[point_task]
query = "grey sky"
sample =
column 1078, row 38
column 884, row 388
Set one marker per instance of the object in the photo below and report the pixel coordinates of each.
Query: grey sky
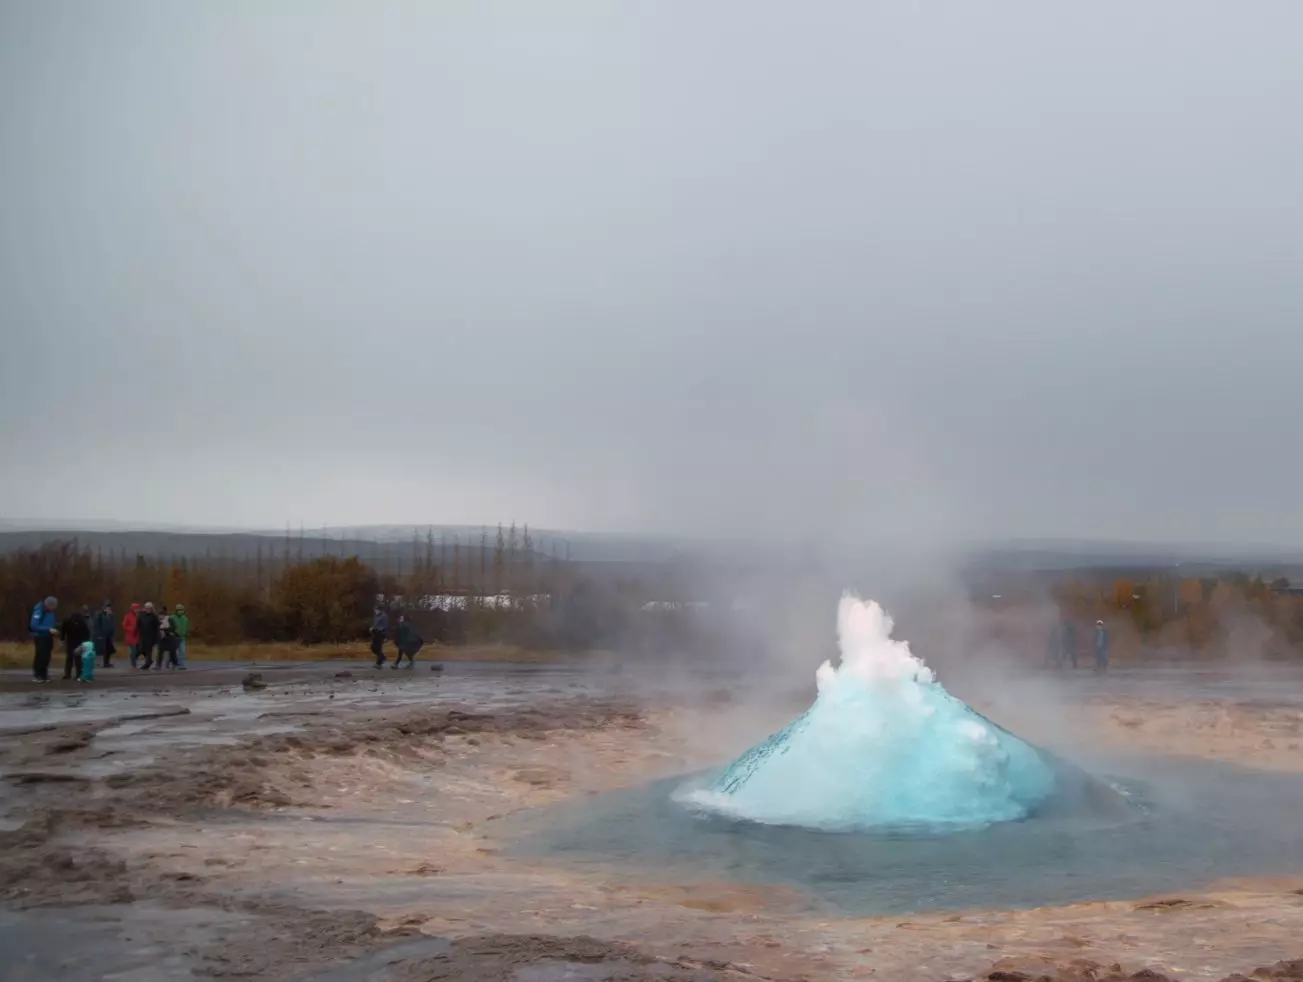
column 939, row 269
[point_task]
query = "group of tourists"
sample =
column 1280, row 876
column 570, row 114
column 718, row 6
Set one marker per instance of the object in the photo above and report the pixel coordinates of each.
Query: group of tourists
column 154, row 638
column 407, row 642
column 1063, row 645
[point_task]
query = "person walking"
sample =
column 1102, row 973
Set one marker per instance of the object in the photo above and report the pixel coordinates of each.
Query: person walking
column 76, row 632
column 1101, row 647
column 147, row 625
column 379, row 628
column 104, row 629
column 43, row 626
column 407, row 641
column 181, row 627
column 131, row 633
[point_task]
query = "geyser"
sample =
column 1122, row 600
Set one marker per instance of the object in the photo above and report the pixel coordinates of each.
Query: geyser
column 884, row 747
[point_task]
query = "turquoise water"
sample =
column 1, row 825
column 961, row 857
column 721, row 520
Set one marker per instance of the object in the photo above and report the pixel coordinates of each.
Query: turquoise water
column 889, row 795
column 1153, row 826
column 884, row 746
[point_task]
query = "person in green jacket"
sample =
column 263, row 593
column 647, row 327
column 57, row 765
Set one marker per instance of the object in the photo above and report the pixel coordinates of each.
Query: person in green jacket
column 181, row 627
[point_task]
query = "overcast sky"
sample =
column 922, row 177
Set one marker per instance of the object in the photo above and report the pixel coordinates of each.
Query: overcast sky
column 866, row 268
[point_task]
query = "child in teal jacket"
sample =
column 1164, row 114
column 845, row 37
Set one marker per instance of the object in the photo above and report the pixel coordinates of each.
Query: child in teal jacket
column 86, row 652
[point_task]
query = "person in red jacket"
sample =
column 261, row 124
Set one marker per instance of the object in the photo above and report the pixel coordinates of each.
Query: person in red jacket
column 131, row 633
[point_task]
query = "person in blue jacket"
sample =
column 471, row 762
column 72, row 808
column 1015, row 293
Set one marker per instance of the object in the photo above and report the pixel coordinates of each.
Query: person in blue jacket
column 1101, row 646
column 44, row 628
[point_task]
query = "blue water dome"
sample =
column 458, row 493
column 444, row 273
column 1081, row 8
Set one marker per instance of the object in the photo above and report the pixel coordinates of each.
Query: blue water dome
column 884, row 747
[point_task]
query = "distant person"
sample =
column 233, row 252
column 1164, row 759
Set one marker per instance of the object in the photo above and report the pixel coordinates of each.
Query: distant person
column 103, row 630
column 147, row 625
column 1069, row 643
column 76, row 632
column 166, row 639
column 379, row 628
column 43, row 626
column 407, row 641
column 86, row 661
column 1054, row 648
column 181, row 625
column 131, row 633
column 1101, row 647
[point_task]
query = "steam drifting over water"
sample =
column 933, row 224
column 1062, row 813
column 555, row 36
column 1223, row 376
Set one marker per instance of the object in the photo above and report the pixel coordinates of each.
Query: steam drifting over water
column 883, row 747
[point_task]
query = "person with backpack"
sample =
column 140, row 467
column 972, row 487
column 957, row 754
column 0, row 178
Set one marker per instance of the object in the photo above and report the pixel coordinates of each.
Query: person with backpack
column 43, row 626
column 181, row 627
column 131, row 633
column 103, row 629
column 166, row 639
column 147, row 625
column 407, row 641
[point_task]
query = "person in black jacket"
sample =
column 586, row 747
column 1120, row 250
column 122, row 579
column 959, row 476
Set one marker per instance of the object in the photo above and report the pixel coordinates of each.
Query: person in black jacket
column 103, row 631
column 167, row 639
column 407, row 641
column 379, row 627
column 147, row 624
column 76, row 632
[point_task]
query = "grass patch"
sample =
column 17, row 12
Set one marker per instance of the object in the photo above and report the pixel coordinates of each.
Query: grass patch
column 17, row 654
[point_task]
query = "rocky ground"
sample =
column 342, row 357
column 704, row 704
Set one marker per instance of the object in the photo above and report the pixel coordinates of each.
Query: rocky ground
column 347, row 824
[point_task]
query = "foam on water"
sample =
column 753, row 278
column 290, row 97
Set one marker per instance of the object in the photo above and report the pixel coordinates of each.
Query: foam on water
column 883, row 747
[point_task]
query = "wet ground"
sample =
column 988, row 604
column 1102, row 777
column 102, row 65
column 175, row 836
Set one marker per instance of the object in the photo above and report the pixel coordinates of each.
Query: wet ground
column 512, row 822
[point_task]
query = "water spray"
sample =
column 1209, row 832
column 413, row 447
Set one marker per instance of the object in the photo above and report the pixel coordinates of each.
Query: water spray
column 884, row 747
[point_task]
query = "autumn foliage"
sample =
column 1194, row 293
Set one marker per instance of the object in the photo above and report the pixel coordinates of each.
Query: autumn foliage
column 325, row 600
column 495, row 593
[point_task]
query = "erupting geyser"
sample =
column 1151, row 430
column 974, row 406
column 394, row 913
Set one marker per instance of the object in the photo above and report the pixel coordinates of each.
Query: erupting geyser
column 884, row 747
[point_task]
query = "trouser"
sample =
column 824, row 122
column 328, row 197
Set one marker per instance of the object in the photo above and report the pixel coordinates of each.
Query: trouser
column 44, row 645
column 378, row 647
column 87, row 673
column 147, row 654
column 167, row 648
column 1101, row 661
column 106, row 648
column 71, row 659
column 180, row 652
column 133, row 652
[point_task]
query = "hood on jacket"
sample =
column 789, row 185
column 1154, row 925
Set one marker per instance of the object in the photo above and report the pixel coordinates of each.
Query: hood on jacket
column 135, row 608
column 179, row 609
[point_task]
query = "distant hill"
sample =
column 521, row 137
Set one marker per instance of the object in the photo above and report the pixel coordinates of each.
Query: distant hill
column 1192, row 558
column 233, row 545
column 364, row 540
column 387, row 546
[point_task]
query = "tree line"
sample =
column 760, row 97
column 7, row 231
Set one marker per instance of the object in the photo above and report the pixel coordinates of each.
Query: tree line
column 499, row 588
column 1227, row 613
